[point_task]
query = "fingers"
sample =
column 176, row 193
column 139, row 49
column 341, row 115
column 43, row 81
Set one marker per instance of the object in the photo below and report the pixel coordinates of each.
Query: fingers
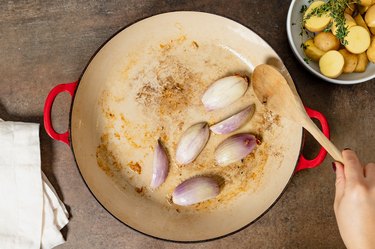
column 340, row 181
column 370, row 172
column 353, row 168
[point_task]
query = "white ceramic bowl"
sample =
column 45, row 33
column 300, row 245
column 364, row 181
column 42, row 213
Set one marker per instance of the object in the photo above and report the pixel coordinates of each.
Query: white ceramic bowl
column 293, row 31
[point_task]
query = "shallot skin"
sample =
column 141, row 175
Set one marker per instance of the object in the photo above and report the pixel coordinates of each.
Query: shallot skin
column 195, row 190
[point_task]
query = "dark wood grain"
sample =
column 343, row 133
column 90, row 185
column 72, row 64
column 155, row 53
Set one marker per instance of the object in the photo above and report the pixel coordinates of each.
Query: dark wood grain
column 43, row 43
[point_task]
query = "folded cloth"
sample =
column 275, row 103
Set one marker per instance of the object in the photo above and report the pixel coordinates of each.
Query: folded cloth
column 31, row 213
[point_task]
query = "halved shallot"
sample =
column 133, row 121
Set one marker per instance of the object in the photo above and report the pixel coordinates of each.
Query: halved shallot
column 192, row 143
column 160, row 166
column 195, row 190
column 234, row 122
column 224, row 92
column 235, row 148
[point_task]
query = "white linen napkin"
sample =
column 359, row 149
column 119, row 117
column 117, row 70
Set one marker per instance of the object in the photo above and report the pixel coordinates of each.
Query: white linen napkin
column 31, row 213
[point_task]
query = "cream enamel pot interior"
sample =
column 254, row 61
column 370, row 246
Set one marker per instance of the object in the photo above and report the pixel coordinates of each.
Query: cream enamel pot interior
column 145, row 83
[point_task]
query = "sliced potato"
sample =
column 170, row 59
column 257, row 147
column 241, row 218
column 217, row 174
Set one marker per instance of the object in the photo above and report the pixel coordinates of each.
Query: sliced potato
column 316, row 23
column 350, row 9
column 371, row 52
column 326, row 41
column 362, row 63
column 361, row 22
column 331, row 64
column 358, row 40
column 350, row 61
column 349, row 18
column 326, row 48
column 370, row 17
column 349, row 22
column 311, row 51
column 365, row 2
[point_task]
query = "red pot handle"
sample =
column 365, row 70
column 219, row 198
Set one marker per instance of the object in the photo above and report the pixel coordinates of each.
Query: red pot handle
column 304, row 163
column 68, row 87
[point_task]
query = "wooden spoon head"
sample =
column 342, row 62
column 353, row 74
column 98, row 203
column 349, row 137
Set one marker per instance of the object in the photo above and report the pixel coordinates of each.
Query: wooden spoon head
column 272, row 89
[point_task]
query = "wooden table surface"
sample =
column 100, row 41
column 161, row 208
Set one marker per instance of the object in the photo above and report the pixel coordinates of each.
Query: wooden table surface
column 44, row 43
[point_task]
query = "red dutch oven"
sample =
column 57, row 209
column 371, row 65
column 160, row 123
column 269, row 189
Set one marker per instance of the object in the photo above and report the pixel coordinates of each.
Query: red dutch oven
column 145, row 83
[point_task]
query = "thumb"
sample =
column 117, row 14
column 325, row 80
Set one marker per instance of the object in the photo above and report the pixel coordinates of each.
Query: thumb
column 340, row 182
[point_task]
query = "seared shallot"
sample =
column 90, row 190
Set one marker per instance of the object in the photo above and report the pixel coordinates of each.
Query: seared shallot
column 192, row 143
column 160, row 166
column 195, row 190
column 233, row 122
column 234, row 148
column 224, row 92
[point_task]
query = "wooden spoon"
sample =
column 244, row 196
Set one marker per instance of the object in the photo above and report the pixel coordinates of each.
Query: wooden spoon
column 273, row 90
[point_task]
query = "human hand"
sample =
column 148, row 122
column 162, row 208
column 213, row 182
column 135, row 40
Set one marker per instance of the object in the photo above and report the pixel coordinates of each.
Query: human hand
column 355, row 202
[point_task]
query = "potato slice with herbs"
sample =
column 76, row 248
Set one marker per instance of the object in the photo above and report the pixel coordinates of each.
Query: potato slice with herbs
column 358, row 40
column 350, row 45
column 350, row 61
column 362, row 63
column 311, row 51
column 331, row 64
column 349, row 22
column 315, row 23
column 326, row 41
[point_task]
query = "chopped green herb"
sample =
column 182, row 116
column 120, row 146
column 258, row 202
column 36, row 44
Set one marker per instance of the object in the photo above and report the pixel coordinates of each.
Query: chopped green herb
column 328, row 28
column 303, row 8
column 334, row 8
column 304, row 46
column 307, row 60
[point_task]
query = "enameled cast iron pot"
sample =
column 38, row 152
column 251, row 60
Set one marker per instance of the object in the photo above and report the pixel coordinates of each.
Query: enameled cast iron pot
column 145, row 83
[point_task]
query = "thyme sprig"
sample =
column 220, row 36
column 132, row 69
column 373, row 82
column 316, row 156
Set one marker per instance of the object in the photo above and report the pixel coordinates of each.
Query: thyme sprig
column 336, row 9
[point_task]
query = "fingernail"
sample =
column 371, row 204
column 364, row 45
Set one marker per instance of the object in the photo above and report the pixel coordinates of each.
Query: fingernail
column 347, row 149
column 334, row 166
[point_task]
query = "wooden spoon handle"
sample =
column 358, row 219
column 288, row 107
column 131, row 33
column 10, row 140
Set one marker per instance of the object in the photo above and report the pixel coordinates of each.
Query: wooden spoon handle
column 322, row 139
